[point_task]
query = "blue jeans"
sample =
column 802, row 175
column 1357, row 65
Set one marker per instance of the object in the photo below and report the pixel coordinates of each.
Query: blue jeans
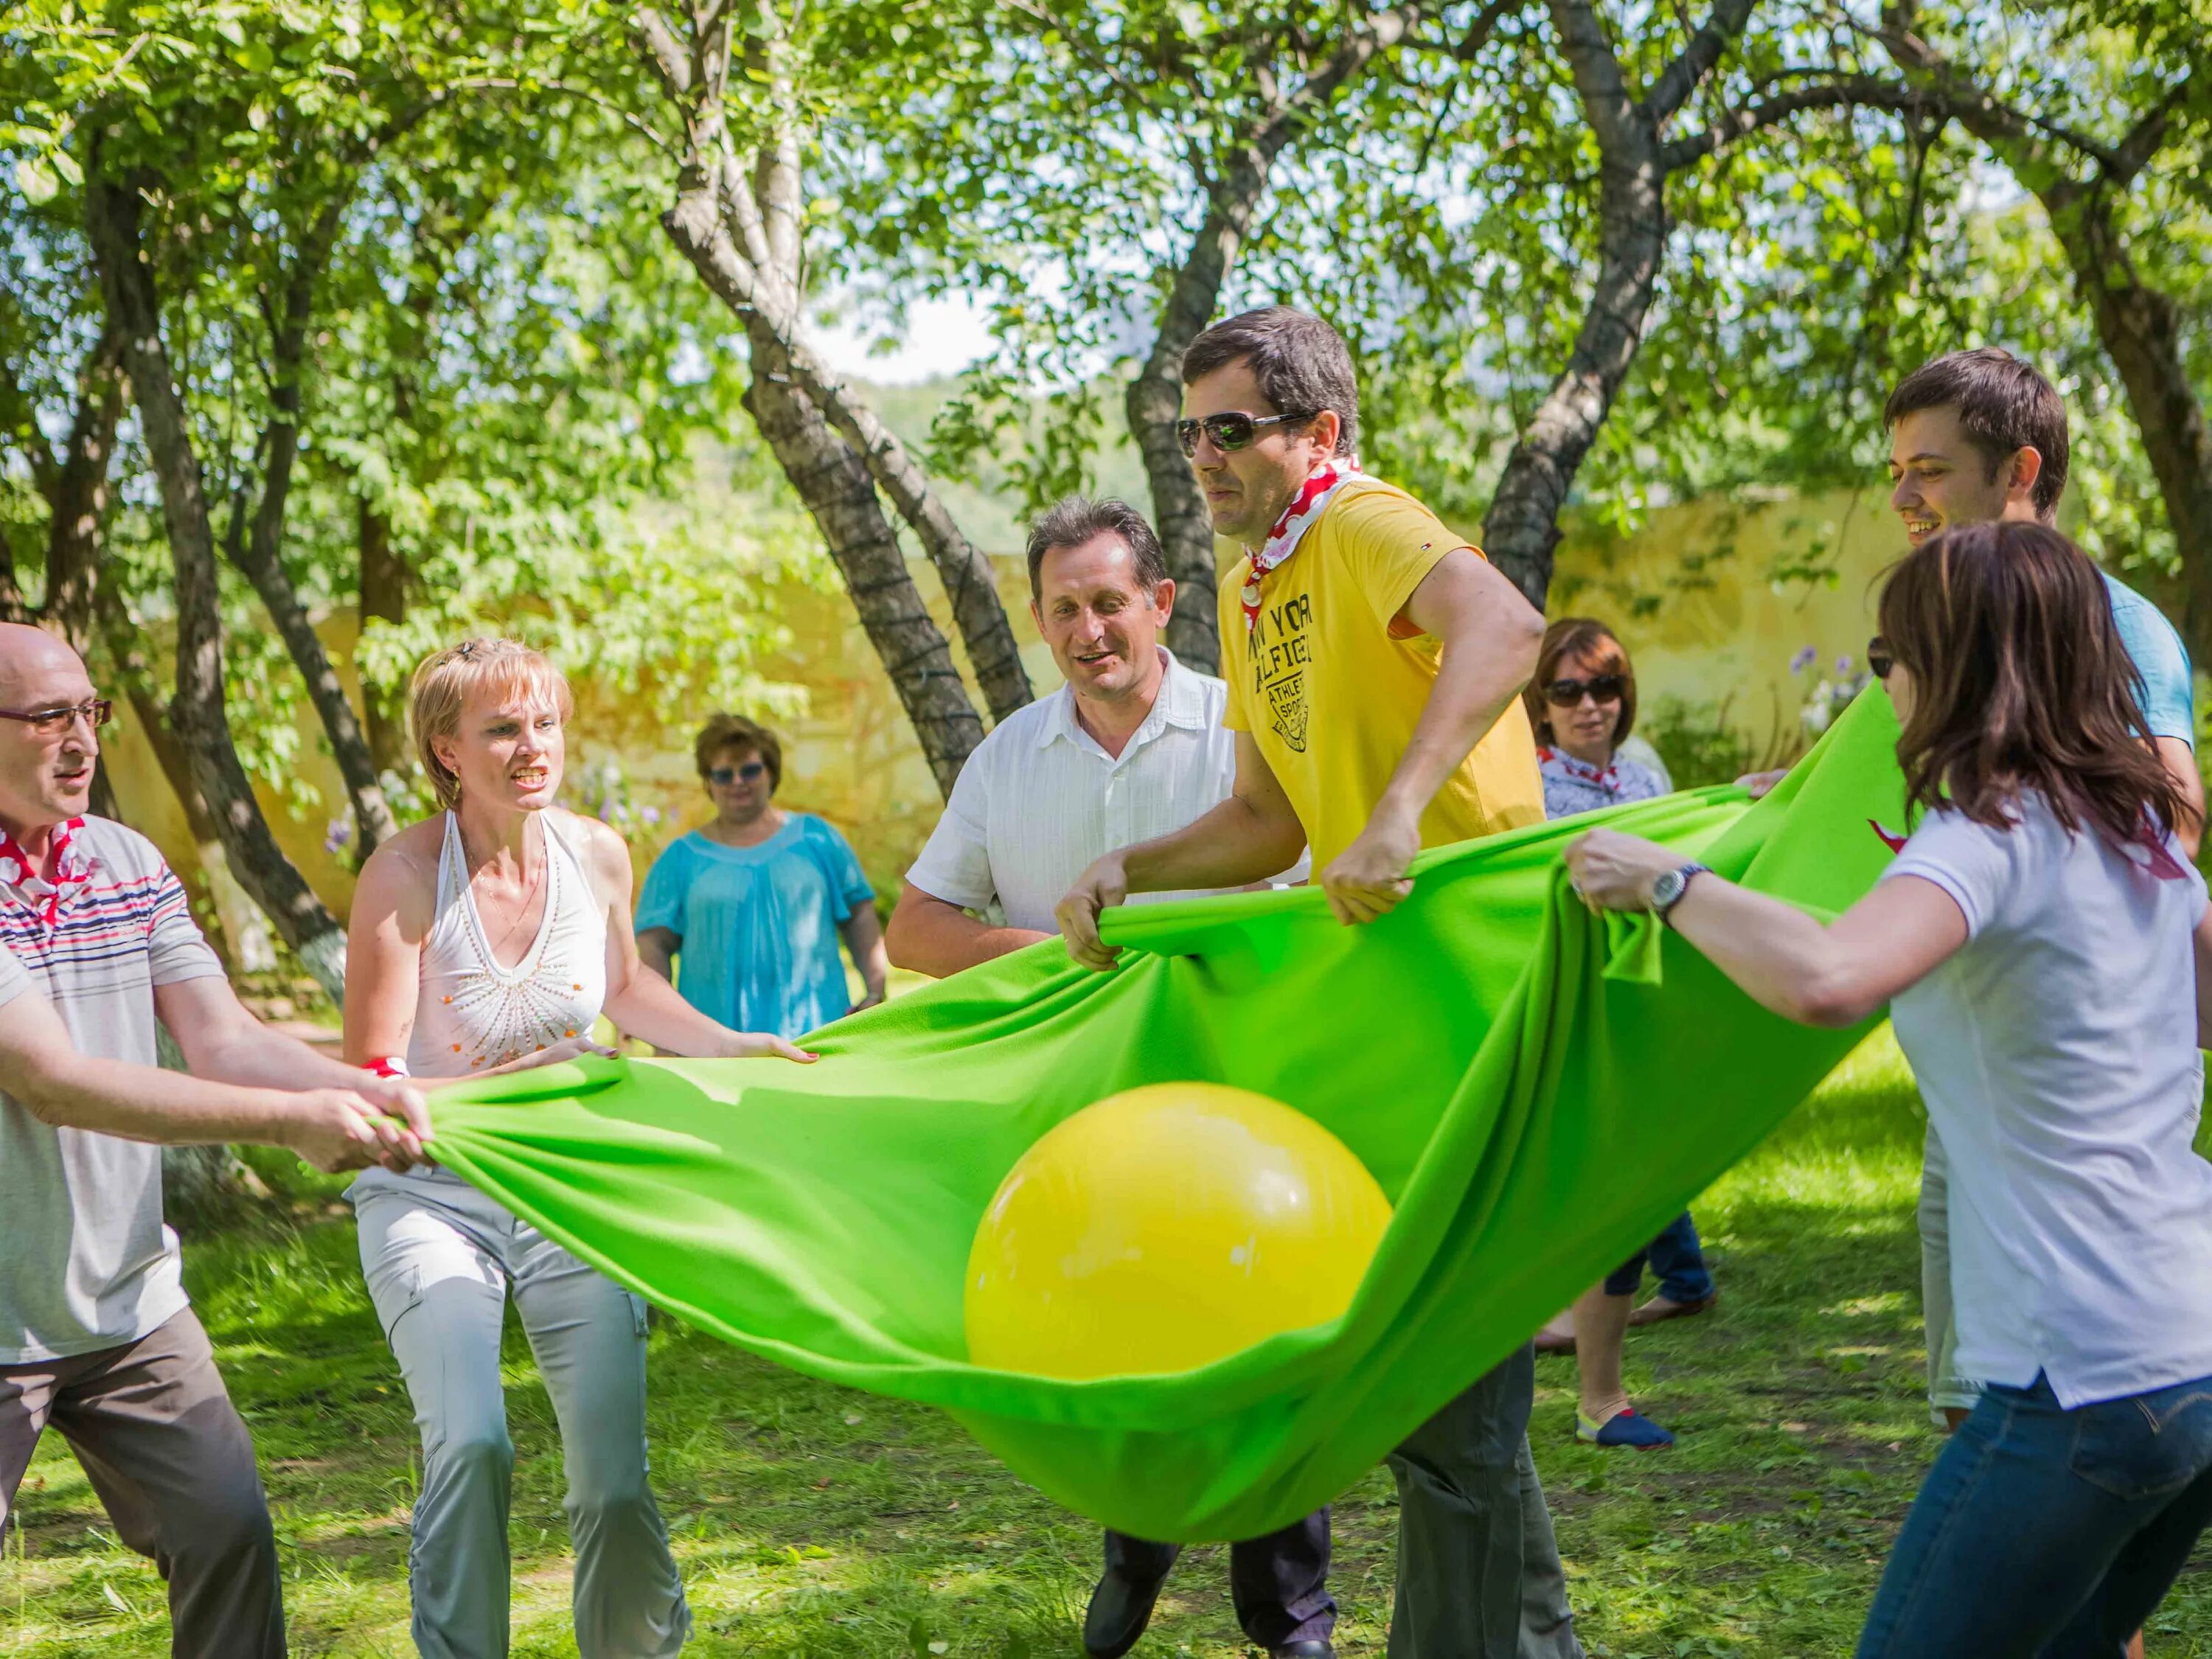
column 1675, row 1257
column 2046, row 1534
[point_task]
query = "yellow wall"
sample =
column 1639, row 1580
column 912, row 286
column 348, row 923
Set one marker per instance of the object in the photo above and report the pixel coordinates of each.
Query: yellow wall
column 1711, row 599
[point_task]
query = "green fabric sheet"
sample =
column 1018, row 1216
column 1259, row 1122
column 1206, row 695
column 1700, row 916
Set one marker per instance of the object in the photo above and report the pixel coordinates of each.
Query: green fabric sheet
column 1537, row 1089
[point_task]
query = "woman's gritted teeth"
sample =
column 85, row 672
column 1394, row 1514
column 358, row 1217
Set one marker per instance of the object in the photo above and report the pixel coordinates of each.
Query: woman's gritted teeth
column 529, row 777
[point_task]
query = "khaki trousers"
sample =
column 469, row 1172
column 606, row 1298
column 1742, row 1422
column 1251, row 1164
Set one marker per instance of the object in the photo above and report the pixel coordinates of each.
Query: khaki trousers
column 171, row 1460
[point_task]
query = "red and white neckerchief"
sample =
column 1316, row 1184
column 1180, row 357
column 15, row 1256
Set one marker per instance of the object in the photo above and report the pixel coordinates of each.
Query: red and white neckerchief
column 72, row 868
column 1312, row 499
column 1606, row 777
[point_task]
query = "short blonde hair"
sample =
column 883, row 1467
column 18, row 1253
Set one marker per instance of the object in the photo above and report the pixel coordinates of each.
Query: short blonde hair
column 445, row 681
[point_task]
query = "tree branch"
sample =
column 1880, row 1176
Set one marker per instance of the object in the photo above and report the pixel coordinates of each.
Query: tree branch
column 1681, row 78
column 1861, row 91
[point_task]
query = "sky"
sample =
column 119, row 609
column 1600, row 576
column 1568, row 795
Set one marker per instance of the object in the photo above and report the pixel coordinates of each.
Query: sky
column 942, row 337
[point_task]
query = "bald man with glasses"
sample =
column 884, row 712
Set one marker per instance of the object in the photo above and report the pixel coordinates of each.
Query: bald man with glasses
column 97, row 1337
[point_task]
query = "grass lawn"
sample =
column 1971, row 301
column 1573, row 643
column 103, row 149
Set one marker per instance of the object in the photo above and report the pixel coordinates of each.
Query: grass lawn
column 811, row 1520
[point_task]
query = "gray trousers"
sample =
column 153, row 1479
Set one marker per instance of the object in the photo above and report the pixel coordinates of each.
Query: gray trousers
column 168, row 1454
column 1479, row 1571
column 1946, row 1389
column 440, row 1258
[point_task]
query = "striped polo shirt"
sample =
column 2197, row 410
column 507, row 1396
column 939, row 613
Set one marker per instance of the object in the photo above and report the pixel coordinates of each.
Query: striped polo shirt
column 88, row 1263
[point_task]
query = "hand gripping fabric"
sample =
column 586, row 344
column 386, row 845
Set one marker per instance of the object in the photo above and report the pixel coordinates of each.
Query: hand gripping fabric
column 1537, row 1089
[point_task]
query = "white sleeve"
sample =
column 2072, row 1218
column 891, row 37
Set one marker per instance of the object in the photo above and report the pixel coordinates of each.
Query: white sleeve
column 956, row 863
column 1977, row 865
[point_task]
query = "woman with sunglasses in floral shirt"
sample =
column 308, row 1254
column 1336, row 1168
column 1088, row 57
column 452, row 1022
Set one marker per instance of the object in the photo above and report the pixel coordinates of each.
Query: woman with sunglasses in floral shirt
column 1582, row 702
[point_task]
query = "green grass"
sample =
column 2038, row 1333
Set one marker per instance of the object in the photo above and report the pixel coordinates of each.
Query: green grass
column 811, row 1520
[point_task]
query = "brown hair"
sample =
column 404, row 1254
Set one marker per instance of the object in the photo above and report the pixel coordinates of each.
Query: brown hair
column 1590, row 637
column 2020, row 682
column 726, row 732
column 444, row 681
column 1074, row 520
column 2004, row 406
column 1302, row 364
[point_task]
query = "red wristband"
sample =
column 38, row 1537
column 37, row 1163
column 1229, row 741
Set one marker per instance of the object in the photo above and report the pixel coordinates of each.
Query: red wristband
column 387, row 1065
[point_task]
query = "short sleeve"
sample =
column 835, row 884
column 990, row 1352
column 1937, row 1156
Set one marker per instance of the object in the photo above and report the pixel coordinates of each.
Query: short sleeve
column 176, row 950
column 841, row 865
column 2163, row 679
column 14, row 978
column 1977, row 865
column 667, row 885
column 1235, row 653
column 1389, row 543
column 955, row 865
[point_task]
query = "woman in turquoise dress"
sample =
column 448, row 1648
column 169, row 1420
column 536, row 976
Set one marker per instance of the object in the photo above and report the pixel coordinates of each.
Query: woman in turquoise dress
column 744, row 913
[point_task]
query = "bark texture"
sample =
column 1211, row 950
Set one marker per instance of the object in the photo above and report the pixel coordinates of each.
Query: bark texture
column 737, row 217
column 1154, row 399
column 2083, row 185
column 113, row 222
column 1521, row 531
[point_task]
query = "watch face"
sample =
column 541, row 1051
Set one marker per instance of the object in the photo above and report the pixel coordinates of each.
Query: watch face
column 1666, row 890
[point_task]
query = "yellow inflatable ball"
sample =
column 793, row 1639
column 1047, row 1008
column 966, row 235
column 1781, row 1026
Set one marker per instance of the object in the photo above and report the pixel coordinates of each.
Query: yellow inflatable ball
column 1166, row 1227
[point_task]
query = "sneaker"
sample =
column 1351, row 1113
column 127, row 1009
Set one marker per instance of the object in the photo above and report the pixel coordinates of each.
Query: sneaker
column 1623, row 1428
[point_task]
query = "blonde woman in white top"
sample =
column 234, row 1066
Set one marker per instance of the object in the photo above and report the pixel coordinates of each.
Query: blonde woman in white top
column 489, row 938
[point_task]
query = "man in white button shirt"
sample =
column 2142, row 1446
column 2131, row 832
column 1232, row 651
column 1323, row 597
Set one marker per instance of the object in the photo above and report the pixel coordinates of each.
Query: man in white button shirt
column 1130, row 748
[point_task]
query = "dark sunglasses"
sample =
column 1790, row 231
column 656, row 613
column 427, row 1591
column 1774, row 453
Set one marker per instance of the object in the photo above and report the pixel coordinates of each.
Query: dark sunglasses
column 1880, row 658
column 52, row 722
column 1603, row 688
column 1230, row 432
column 726, row 775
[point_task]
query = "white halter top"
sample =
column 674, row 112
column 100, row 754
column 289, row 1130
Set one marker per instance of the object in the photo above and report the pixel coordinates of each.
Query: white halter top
column 471, row 1012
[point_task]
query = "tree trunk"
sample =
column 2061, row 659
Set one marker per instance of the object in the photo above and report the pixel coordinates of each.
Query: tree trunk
column 111, row 214
column 2141, row 329
column 1154, row 401
column 1521, row 531
column 834, row 481
column 382, row 599
column 77, row 505
column 258, row 553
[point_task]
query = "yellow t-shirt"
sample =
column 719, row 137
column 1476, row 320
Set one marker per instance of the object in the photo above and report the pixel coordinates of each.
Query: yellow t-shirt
column 1331, row 699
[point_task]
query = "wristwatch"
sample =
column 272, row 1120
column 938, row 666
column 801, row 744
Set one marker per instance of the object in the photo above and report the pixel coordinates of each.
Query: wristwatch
column 1666, row 891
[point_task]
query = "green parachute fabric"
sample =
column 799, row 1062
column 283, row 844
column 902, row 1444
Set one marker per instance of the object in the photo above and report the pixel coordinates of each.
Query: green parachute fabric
column 1537, row 1089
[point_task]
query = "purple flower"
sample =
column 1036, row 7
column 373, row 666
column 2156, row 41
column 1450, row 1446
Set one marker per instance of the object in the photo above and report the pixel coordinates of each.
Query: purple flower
column 1804, row 659
column 1843, row 666
column 651, row 815
column 336, row 837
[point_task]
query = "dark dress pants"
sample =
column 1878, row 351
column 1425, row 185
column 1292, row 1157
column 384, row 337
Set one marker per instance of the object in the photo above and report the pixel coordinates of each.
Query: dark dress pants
column 1280, row 1583
column 171, row 1460
column 1479, row 1570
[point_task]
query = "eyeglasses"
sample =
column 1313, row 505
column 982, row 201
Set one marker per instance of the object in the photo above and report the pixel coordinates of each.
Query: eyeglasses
column 1880, row 658
column 1231, row 432
column 52, row 722
column 726, row 775
column 1602, row 688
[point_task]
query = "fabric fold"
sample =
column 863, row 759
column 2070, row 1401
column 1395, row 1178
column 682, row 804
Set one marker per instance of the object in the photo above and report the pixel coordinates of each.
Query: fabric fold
column 1537, row 1089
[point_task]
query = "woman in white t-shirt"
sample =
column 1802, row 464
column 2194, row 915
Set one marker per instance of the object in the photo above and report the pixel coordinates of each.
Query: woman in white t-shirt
column 2042, row 946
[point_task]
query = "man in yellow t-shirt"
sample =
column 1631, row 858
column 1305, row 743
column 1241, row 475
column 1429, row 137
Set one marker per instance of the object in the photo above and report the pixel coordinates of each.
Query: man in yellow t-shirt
column 1374, row 662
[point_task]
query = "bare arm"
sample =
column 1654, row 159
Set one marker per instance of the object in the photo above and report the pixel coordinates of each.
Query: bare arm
column 1489, row 637
column 929, row 936
column 656, row 952
column 2181, row 762
column 863, row 932
column 1252, row 835
column 224, row 1043
column 1832, row 973
column 335, row 1129
column 643, row 1004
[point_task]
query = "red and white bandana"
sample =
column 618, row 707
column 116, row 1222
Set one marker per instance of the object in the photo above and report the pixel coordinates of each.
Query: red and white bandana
column 72, row 868
column 1312, row 499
